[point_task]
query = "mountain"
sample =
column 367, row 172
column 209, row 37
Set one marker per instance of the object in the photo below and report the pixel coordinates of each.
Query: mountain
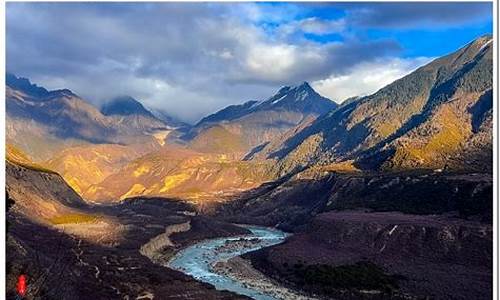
column 170, row 120
column 125, row 106
column 301, row 98
column 174, row 171
column 65, row 133
column 24, row 85
column 129, row 112
column 437, row 117
column 239, row 128
column 43, row 122
column 83, row 166
column 39, row 193
column 134, row 110
column 229, row 113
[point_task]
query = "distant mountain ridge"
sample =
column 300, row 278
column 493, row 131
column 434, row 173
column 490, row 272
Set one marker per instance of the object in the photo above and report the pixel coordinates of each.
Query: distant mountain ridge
column 302, row 98
column 248, row 125
column 23, row 84
column 299, row 98
column 125, row 106
column 229, row 113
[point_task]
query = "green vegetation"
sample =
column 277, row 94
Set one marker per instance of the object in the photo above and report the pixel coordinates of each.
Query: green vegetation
column 73, row 219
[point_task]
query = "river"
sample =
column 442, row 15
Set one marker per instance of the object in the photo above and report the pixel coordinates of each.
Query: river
column 199, row 260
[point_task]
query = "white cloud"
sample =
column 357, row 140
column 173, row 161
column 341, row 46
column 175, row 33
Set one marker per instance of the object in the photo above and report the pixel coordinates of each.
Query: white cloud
column 189, row 59
column 320, row 27
column 366, row 78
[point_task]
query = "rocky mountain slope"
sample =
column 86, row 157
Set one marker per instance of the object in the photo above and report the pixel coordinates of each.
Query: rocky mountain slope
column 174, row 171
column 239, row 128
column 42, row 196
column 437, row 117
column 83, row 166
column 292, row 203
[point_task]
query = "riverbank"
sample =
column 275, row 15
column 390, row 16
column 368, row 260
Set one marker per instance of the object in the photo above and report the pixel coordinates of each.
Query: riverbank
column 241, row 270
column 217, row 261
column 161, row 248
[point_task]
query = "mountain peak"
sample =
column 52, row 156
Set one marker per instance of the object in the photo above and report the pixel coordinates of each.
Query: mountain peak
column 300, row 97
column 124, row 106
column 304, row 85
column 25, row 85
column 284, row 89
column 480, row 42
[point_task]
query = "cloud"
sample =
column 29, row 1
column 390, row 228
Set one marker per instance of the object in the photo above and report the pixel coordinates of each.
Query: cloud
column 312, row 25
column 318, row 26
column 366, row 78
column 430, row 15
column 187, row 58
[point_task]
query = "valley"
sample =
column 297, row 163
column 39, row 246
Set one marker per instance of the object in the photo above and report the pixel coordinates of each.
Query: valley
column 384, row 196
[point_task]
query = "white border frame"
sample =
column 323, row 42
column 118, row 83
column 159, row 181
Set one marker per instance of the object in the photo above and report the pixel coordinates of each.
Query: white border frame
column 496, row 127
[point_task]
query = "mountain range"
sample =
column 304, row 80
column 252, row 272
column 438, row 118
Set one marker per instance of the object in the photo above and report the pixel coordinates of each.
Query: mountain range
column 382, row 195
column 437, row 118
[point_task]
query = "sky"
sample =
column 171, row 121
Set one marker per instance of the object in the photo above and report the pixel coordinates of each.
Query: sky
column 191, row 59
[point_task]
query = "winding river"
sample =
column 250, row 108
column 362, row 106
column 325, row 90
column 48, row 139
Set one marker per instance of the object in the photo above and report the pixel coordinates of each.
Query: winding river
column 199, row 260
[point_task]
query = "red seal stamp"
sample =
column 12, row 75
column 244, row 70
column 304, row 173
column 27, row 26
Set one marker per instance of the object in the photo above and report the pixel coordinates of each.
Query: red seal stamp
column 21, row 285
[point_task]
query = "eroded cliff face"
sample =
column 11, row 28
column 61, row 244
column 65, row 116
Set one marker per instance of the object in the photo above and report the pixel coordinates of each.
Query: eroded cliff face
column 430, row 256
